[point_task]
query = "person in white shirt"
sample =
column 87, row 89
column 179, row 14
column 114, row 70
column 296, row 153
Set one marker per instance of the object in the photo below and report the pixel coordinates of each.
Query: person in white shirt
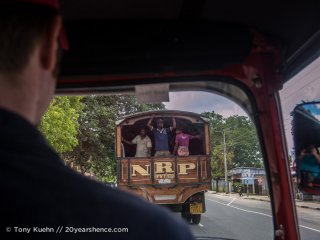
column 143, row 143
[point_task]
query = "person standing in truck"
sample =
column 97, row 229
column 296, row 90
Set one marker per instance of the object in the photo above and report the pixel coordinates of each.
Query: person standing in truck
column 143, row 143
column 161, row 136
column 182, row 141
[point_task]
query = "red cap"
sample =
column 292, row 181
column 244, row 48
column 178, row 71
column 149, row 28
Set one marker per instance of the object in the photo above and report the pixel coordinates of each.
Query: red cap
column 55, row 4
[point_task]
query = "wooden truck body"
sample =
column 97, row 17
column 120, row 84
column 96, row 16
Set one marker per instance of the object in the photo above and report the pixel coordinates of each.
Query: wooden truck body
column 178, row 182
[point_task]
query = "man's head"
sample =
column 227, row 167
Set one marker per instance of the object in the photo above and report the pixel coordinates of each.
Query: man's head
column 29, row 54
column 160, row 123
column 143, row 132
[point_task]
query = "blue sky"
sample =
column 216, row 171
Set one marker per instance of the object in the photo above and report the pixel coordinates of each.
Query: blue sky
column 314, row 109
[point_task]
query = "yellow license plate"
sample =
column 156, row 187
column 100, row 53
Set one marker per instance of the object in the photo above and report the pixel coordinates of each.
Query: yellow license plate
column 196, row 208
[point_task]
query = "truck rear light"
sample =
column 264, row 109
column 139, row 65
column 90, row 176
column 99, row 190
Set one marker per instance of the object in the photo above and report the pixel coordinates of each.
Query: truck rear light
column 195, row 198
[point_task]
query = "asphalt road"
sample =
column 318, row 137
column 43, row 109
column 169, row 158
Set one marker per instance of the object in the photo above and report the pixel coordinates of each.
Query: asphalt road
column 237, row 218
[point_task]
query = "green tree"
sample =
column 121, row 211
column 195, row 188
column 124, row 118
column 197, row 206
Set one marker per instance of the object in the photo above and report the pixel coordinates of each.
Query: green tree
column 96, row 137
column 95, row 152
column 217, row 127
column 243, row 141
column 60, row 123
column 242, row 145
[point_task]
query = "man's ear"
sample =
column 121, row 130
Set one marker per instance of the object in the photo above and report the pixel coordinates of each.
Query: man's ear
column 49, row 46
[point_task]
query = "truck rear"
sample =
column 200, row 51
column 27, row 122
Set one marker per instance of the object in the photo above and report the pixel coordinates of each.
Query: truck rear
column 178, row 182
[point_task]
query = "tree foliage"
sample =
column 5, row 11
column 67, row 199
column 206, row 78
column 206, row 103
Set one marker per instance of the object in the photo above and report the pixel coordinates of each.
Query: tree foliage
column 82, row 130
column 60, row 123
column 243, row 142
column 242, row 145
column 217, row 126
column 95, row 152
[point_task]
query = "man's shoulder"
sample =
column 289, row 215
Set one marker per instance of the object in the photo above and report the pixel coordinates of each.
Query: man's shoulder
column 126, row 210
column 137, row 137
column 190, row 136
column 70, row 199
column 169, row 129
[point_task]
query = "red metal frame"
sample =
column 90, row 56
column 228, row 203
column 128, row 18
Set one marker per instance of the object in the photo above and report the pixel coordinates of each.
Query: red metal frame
column 258, row 74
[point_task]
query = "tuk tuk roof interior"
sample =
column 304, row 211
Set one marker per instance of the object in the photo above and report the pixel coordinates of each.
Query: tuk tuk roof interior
column 122, row 37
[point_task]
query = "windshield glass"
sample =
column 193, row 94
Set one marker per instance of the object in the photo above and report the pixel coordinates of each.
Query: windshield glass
column 208, row 173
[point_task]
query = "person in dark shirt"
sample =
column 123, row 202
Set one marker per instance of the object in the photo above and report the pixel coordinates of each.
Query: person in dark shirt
column 161, row 136
column 38, row 192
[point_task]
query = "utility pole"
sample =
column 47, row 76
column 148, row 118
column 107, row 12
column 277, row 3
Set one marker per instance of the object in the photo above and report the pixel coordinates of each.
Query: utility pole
column 226, row 185
column 247, row 185
column 225, row 162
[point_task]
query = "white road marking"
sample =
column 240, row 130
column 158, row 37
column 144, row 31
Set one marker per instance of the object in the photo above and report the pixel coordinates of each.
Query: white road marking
column 200, row 225
column 231, row 201
column 309, row 228
column 241, row 209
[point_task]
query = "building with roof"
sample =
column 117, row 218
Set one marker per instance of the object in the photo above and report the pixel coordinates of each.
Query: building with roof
column 251, row 178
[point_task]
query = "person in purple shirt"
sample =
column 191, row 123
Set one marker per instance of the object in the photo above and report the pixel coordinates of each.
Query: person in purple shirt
column 181, row 147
